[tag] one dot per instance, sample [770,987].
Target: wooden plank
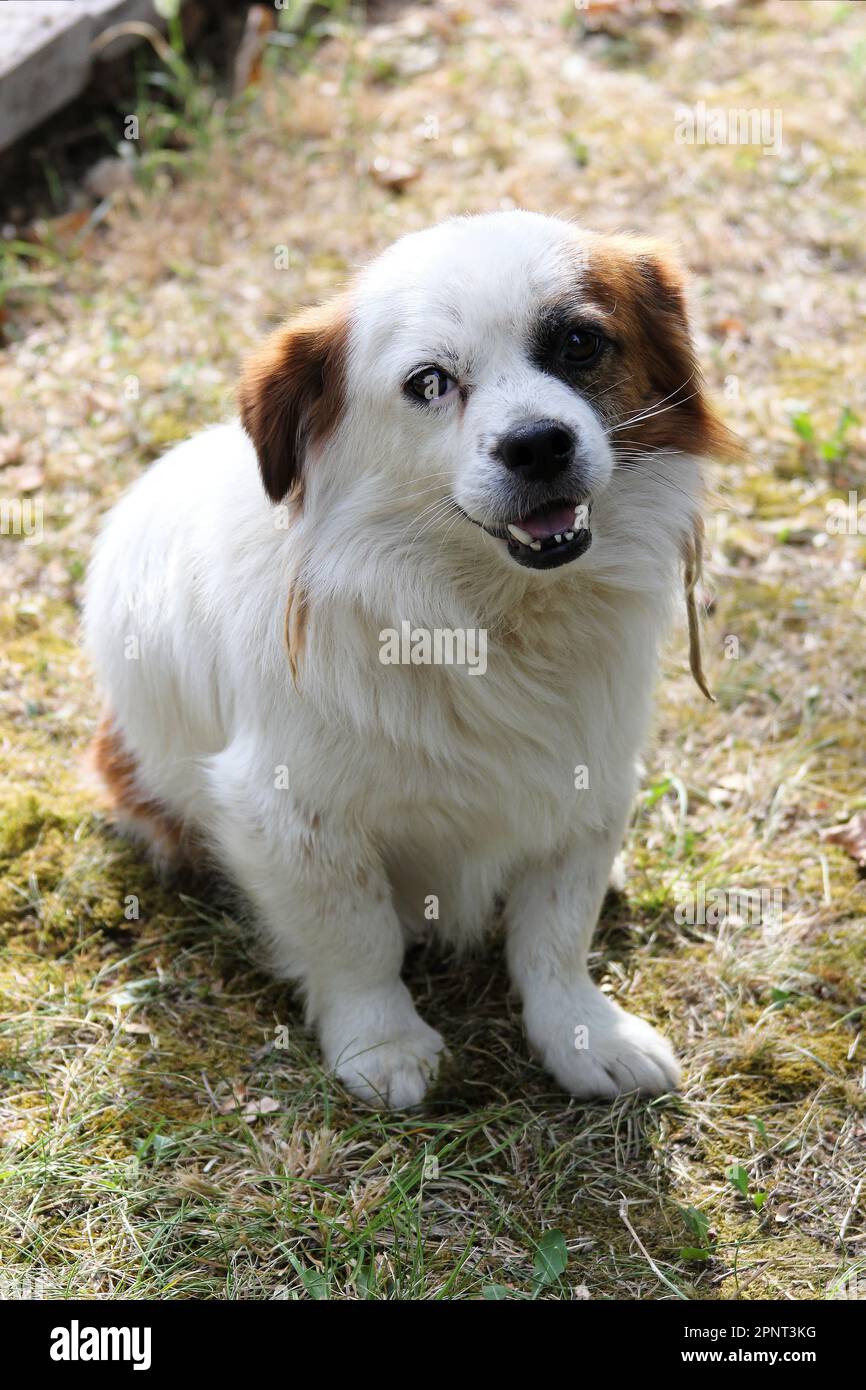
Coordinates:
[44,62]
[46,58]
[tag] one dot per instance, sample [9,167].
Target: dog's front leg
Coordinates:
[591,1045]
[325,906]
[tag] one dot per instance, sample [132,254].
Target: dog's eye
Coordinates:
[430,384]
[580,346]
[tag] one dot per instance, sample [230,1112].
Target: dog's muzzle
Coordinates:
[546,537]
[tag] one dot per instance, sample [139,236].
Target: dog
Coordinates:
[497,429]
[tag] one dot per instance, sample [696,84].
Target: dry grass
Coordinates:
[156,1139]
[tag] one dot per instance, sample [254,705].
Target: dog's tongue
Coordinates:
[548,521]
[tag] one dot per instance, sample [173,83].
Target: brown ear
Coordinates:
[292,392]
[691,425]
[643,289]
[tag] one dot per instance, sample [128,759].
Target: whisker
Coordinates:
[448,532]
[437,493]
[431,508]
[638,420]
[620,449]
[649,411]
[429,516]
[635,466]
[434,520]
[613,386]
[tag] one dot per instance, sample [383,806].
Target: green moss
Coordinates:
[165,429]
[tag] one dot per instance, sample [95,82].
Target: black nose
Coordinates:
[537,451]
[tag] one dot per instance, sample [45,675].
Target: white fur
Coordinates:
[405,781]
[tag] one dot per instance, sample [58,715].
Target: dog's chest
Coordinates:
[541,740]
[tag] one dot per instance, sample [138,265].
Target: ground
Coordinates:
[166,1128]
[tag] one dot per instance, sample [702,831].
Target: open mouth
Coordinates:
[549,536]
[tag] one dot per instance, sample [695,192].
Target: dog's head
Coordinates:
[502,376]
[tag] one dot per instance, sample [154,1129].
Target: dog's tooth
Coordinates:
[522,536]
[569,536]
[536,545]
[558,540]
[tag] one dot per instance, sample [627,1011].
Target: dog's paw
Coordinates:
[393,1074]
[594,1048]
[386,1056]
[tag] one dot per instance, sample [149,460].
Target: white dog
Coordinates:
[491,440]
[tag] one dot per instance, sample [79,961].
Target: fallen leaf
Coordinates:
[28,477]
[61,233]
[234,1101]
[266,1105]
[395,174]
[724,327]
[10,449]
[97,398]
[734,782]
[851,837]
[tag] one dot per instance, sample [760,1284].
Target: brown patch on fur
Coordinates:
[117,770]
[693,556]
[292,392]
[295,628]
[639,290]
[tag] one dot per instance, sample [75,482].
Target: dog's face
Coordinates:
[492,372]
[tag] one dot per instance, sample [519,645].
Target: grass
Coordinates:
[166,1129]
